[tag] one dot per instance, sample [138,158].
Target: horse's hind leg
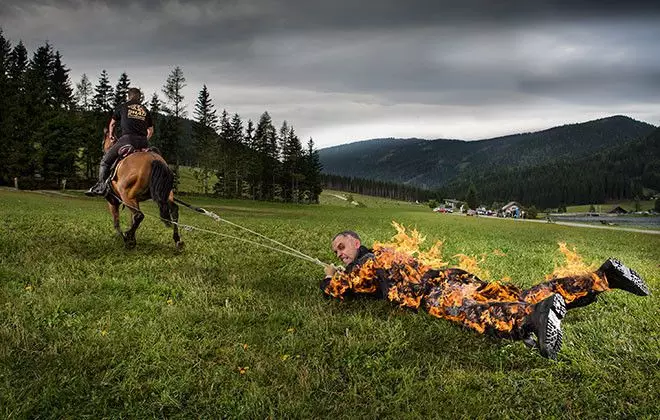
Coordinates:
[174,215]
[138,216]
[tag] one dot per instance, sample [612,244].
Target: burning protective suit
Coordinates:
[498,309]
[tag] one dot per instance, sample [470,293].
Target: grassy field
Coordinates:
[224,329]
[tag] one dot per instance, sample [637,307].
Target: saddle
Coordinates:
[125,151]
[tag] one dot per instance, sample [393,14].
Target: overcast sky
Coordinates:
[346,70]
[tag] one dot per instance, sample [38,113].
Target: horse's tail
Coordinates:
[162,182]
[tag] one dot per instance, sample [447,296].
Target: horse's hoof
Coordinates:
[130,244]
[180,245]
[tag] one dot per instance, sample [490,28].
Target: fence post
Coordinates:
[16,182]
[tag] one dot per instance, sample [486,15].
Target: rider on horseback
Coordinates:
[136,129]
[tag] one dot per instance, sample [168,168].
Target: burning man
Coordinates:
[498,309]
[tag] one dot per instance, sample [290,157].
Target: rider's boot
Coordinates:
[101,186]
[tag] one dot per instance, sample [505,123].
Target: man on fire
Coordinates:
[501,310]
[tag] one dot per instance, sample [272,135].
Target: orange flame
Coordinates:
[471,265]
[573,266]
[409,244]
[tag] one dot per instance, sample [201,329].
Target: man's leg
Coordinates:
[582,289]
[104,170]
[513,320]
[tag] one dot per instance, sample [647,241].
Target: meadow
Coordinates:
[224,329]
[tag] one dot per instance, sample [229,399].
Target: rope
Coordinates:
[290,251]
[220,219]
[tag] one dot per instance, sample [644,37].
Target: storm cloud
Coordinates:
[345,70]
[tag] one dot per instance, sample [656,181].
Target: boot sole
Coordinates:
[550,336]
[624,278]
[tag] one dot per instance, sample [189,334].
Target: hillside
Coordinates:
[434,163]
[620,172]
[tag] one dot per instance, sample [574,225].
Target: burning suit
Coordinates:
[498,309]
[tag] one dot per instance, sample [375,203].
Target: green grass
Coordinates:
[604,208]
[190,184]
[88,329]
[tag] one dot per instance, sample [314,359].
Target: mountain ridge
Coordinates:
[433,163]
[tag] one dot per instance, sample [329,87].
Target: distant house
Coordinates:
[450,203]
[618,210]
[510,209]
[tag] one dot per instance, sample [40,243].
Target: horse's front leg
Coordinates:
[138,216]
[174,215]
[114,210]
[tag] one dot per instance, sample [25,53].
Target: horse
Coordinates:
[140,176]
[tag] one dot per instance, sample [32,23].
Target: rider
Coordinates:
[136,128]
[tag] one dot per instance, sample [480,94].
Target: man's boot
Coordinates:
[545,322]
[621,277]
[100,187]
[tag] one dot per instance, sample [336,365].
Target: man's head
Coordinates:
[134,94]
[345,245]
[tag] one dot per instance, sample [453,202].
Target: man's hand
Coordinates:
[330,270]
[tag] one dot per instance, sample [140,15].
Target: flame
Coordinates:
[573,266]
[471,265]
[409,244]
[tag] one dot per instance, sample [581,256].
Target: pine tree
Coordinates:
[471,197]
[265,144]
[224,161]
[312,173]
[173,91]
[154,110]
[121,90]
[19,152]
[239,153]
[62,93]
[103,95]
[174,108]
[292,154]
[5,51]
[249,162]
[248,139]
[39,75]
[205,137]
[17,66]
[84,91]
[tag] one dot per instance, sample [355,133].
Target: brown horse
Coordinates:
[141,176]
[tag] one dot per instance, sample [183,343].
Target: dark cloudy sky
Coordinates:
[343,70]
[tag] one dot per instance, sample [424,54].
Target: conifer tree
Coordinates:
[174,108]
[18,151]
[292,154]
[5,51]
[312,173]
[39,75]
[154,110]
[103,95]
[205,137]
[60,84]
[121,90]
[265,142]
[84,93]
[471,197]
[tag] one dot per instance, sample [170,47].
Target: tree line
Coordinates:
[50,131]
[392,190]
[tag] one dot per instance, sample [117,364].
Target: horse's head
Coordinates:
[108,139]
